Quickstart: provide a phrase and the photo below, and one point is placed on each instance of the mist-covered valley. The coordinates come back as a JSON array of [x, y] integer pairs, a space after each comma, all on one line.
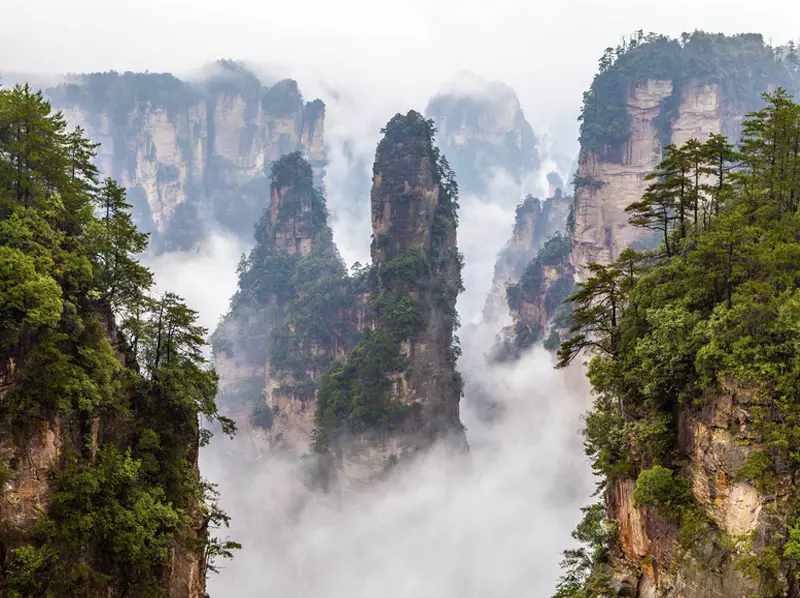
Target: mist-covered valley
[[494, 520], [378, 309]]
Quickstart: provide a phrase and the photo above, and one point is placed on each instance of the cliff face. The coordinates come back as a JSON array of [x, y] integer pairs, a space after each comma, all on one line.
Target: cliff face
[[35, 461], [704, 85], [650, 557], [293, 315], [359, 367], [535, 301], [412, 215], [399, 391], [197, 154], [100, 493], [481, 127], [535, 222], [691, 435], [607, 186]]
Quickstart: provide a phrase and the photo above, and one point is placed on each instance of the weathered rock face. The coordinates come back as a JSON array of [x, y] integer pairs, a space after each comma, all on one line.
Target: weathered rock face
[[415, 269], [649, 559], [24, 495], [193, 155], [407, 217], [607, 186], [536, 221], [481, 127], [31, 455], [294, 315]]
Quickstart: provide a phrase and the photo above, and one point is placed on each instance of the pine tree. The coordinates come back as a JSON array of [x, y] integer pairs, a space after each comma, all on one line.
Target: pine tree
[[115, 241], [719, 158]]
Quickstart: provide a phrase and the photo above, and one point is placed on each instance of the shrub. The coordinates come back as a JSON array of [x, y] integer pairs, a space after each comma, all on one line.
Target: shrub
[[660, 488]]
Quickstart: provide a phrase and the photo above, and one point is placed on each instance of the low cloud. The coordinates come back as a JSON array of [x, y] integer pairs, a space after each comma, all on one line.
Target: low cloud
[[489, 523]]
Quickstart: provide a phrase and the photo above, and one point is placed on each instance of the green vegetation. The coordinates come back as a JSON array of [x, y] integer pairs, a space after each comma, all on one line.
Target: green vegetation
[[742, 65], [534, 287], [118, 372], [295, 306], [127, 105], [405, 291], [715, 307], [583, 577], [659, 487]]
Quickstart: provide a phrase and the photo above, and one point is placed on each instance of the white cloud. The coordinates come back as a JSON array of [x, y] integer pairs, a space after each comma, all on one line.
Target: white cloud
[[490, 523]]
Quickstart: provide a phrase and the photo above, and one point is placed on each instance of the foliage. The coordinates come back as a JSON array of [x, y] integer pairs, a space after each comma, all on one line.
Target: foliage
[[92, 345], [404, 290], [659, 487], [354, 395], [294, 307], [555, 250], [716, 306], [582, 576]]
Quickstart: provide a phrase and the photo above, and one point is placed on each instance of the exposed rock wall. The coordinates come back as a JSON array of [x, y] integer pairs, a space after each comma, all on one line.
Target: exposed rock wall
[[192, 155], [535, 222], [481, 127], [31, 454], [648, 558], [413, 214], [294, 315], [405, 201], [608, 184]]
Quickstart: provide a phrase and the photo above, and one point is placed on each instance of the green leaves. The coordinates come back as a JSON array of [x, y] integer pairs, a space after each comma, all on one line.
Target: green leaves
[[67, 272], [26, 297], [716, 312], [661, 488]]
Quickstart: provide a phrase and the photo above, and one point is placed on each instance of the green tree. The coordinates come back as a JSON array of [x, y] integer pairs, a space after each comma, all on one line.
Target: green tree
[[114, 242]]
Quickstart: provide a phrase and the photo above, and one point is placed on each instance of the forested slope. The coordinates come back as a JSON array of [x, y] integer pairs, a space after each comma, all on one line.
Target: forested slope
[[694, 363], [102, 384]]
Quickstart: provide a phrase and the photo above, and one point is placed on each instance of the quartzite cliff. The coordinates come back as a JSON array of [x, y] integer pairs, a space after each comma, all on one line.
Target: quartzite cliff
[[194, 155]]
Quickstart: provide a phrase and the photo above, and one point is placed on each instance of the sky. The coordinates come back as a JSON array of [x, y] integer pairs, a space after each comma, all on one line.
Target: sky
[[399, 53]]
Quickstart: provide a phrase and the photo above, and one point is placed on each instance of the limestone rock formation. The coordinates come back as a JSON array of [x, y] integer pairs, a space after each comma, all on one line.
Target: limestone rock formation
[[481, 127], [648, 558], [607, 186], [192, 154], [632, 111], [650, 92]]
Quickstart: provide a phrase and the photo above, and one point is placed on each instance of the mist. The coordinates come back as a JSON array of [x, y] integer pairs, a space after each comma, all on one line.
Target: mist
[[489, 523], [492, 522]]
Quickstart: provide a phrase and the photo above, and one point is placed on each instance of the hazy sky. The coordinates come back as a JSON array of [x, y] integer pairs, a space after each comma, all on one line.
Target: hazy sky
[[399, 51]]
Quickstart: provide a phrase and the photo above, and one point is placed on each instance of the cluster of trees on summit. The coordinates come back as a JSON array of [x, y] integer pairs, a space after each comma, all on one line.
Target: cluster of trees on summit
[[667, 330]]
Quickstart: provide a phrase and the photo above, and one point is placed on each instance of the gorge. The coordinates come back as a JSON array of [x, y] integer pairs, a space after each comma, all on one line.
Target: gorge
[[399, 434]]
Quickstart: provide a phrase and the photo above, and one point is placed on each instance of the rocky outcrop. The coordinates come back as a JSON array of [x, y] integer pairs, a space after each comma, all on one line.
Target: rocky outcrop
[[407, 350], [608, 181], [651, 556], [32, 459], [25, 477], [293, 315], [535, 222], [649, 92], [413, 212], [481, 127], [605, 187], [192, 155]]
